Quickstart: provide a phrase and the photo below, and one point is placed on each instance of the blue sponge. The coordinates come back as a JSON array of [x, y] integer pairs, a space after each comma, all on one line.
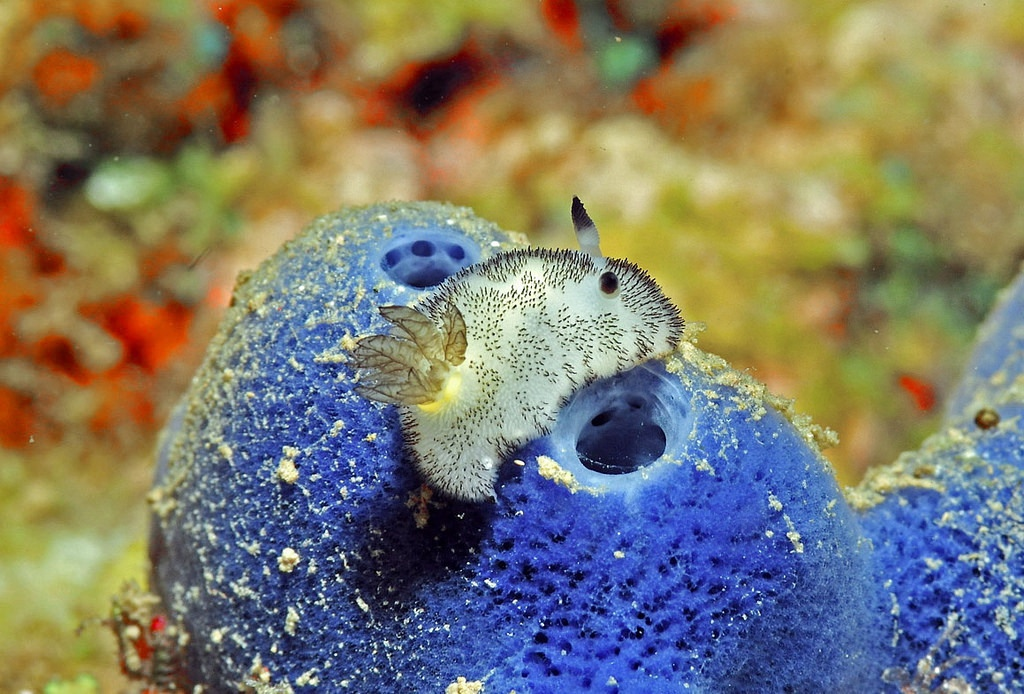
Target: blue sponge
[[678, 529], [947, 523]]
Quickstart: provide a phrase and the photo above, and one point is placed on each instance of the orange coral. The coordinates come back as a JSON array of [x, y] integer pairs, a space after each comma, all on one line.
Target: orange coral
[[16, 212], [150, 332], [61, 75], [564, 19], [100, 17], [676, 98], [921, 392]]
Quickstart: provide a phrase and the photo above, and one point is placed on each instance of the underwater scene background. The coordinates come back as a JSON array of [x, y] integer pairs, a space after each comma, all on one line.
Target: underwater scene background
[[835, 192]]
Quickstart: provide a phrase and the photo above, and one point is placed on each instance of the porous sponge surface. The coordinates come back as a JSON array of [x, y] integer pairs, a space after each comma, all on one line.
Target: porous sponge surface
[[947, 539], [291, 533], [947, 524], [727, 567], [275, 479]]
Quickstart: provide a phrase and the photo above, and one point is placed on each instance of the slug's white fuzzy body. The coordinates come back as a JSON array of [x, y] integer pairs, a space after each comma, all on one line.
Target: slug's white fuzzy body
[[484, 363]]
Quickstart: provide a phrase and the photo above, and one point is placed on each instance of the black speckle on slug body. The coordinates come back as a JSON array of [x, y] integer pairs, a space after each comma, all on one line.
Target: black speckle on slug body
[[482, 364]]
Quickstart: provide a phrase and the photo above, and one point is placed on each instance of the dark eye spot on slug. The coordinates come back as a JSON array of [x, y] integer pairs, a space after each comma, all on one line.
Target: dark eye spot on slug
[[609, 283]]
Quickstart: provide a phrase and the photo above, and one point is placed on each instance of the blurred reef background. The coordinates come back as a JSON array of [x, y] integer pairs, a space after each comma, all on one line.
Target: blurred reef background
[[835, 191]]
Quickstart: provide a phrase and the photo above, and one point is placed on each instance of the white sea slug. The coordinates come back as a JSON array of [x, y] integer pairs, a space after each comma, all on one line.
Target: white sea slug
[[484, 363]]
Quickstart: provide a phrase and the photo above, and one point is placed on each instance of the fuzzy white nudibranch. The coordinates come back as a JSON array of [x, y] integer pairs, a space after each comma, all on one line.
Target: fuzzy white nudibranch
[[484, 363]]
